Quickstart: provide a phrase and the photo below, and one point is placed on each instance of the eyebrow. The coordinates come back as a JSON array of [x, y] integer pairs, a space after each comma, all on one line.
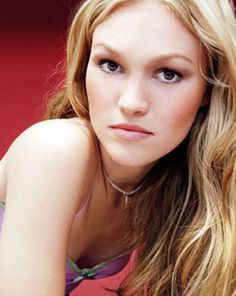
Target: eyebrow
[[155, 59]]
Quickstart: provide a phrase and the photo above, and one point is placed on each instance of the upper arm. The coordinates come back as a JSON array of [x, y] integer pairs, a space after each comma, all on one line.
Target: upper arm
[[47, 176]]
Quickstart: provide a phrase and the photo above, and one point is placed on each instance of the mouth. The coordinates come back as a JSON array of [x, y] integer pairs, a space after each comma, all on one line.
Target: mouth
[[131, 132]]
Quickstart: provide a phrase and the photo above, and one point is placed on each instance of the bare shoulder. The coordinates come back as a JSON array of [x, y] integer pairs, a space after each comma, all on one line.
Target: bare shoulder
[[58, 151], [52, 140], [60, 135]]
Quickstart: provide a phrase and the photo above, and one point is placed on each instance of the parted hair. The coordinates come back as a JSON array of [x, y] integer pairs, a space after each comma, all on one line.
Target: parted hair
[[184, 220]]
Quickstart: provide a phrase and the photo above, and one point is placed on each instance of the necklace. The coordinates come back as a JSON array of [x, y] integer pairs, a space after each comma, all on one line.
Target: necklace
[[126, 193]]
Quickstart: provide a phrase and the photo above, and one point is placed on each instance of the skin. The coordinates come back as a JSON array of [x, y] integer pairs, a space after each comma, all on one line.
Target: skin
[[34, 172]]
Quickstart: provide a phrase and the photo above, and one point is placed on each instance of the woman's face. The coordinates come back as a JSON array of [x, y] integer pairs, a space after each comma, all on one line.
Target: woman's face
[[143, 83]]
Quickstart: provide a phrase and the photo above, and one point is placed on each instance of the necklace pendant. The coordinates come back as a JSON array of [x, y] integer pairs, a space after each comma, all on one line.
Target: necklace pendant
[[126, 200]]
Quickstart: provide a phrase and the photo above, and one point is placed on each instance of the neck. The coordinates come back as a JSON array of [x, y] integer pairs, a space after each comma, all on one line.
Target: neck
[[125, 177]]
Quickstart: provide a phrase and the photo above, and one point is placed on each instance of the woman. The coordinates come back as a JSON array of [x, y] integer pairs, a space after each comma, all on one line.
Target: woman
[[140, 155]]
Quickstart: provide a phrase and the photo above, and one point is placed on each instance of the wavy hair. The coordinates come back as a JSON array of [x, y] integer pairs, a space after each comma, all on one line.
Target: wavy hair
[[184, 221]]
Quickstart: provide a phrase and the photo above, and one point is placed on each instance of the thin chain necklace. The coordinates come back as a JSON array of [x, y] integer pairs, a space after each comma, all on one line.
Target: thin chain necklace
[[126, 193]]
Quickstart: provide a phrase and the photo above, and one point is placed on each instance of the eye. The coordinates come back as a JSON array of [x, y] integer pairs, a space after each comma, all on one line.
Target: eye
[[167, 75], [110, 66]]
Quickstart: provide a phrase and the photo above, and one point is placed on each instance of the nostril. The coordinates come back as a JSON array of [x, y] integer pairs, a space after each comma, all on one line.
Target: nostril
[[133, 110]]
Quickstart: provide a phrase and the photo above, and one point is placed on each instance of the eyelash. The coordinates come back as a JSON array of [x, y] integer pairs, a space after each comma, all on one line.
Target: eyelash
[[178, 76], [103, 63]]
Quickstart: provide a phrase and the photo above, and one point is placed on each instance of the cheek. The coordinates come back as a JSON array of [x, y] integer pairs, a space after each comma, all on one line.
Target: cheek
[[189, 99], [98, 91], [183, 115], [93, 89], [179, 114]]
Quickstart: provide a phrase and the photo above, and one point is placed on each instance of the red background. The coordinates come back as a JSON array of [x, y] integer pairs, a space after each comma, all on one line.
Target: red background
[[32, 48]]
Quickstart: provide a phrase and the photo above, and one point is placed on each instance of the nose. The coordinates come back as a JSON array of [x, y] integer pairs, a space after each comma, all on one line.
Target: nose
[[133, 100]]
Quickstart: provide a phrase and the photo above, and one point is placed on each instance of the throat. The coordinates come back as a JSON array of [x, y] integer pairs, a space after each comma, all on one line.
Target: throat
[[127, 194]]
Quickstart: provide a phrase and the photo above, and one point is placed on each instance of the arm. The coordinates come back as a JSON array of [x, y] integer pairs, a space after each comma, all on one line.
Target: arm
[[44, 191]]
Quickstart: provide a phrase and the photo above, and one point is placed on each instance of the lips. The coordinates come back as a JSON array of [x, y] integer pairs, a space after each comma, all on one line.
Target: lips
[[131, 132], [131, 128]]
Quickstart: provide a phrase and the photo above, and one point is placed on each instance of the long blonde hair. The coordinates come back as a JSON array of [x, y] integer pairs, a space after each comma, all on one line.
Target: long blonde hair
[[185, 219]]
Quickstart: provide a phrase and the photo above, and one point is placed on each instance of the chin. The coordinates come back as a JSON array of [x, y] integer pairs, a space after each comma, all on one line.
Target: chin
[[133, 156], [132, 160]]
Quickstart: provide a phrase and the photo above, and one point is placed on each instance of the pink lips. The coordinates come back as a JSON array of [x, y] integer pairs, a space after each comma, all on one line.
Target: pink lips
[[130, 132]]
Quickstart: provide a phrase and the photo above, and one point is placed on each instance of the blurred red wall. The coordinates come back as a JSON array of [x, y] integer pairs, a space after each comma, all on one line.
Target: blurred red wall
[[32, 50]]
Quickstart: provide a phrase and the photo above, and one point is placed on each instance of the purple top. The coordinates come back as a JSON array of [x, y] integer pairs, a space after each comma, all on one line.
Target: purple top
[[75, 275]]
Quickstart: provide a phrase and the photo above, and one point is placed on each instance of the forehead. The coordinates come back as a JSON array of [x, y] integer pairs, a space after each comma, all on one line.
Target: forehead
[[149, 26]]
